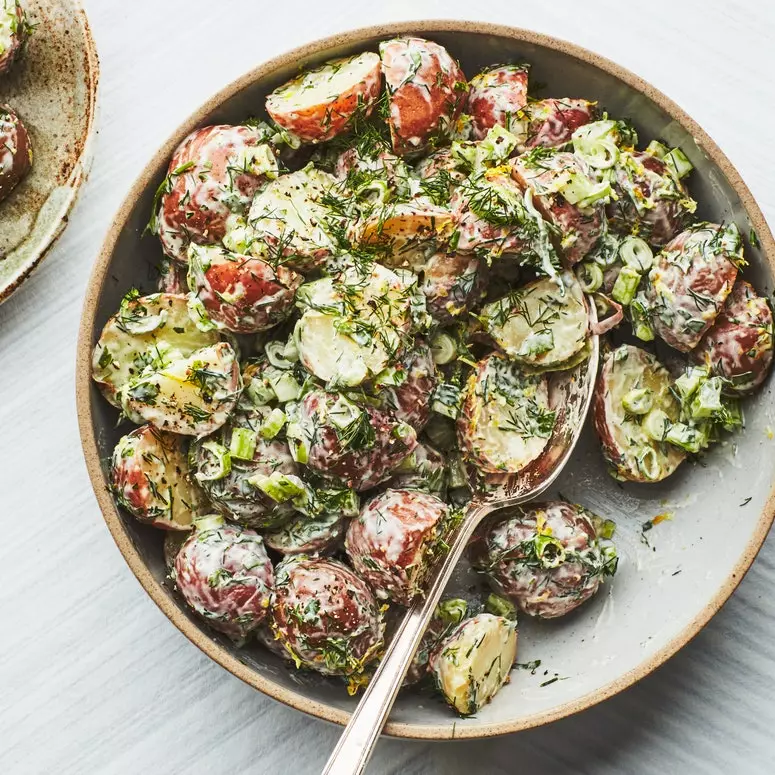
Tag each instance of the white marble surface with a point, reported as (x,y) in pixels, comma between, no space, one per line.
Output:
(93,678)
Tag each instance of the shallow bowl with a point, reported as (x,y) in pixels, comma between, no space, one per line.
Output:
(672,578)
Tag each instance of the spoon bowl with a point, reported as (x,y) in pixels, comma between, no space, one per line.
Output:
(570,397)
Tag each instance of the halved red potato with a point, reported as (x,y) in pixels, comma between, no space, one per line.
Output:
(287,214)
(193,396)
(543,324)
(225,576)
(14,30)
(146,332)
(552,121)
(151,479)
(325,616)
(497,96)
(303,535)
(553,178)
(424,469)
(453,283)
(651,201)
(395,540)
(359,445)
(505,421)
(404,227)
(231,492)
(405,390)
(690,281)
(239,293)
(427,91)
(15,150)
(354,324)
(634,454)
(473,662)
(546,557)
(215,171)
(318,104)
(739,345)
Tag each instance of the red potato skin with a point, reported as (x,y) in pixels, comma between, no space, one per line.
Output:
(546,593)
(360,469)
(237,557)
(195,209)
(495,96)
(425,99)
(713,279)
(553,121)
(587,225)
(18,39)
(317,600)
(658,225)
(329,118)
(387,541)
(259,296)
(172,277)
(410,401)
(740,343)
(15,151)
(449,288)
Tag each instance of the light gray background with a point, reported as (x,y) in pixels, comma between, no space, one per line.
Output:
(93,678)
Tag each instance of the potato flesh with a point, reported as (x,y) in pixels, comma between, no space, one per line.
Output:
(378,301)
(633,368)
(174,398)
(121,355)
(473,663)
(288,212)
(324,85)
(540,309)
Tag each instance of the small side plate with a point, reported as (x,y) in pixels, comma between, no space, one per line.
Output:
(53,88)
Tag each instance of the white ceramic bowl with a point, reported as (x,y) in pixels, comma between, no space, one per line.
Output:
(665,590)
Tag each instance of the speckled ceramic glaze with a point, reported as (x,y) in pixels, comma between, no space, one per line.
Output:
(53,87)
(672,578)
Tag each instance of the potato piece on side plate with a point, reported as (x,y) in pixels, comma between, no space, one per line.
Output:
(146,330)
(151,479)
(505,422)
(318,104)
(14,30)
(631,441)
(427,92)
(473,662)
(15,150)
(193,396)
(544,324)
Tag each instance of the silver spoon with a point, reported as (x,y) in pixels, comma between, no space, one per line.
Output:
(570,396)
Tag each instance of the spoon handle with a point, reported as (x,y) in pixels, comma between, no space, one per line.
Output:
(354,748)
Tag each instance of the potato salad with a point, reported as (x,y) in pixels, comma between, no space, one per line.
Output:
(363,297)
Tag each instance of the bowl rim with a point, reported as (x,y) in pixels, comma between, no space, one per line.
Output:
(110,512)
(81,168)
